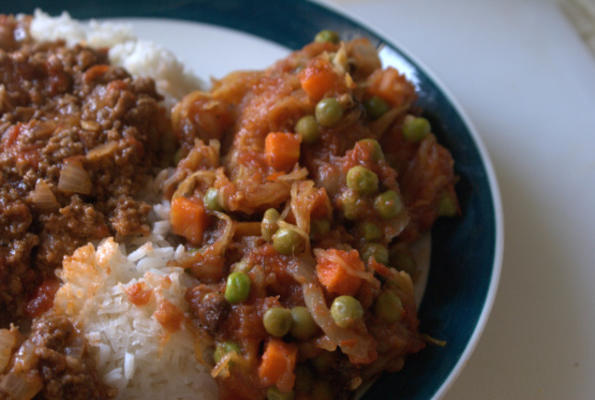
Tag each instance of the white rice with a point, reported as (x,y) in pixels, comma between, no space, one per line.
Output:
(133,352)
(138,57)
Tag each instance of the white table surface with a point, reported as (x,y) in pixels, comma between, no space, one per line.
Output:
(528,83)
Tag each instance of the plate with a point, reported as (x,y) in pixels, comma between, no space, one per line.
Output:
(217,37)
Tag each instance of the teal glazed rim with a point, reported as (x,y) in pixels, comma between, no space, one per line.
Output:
(466,251)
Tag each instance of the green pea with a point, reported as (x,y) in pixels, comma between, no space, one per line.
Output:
(303,379)
(352,205)
(416,128)
(327,36)
(402,259)
(303,326)
(307,128)
(328,112)
(388,204)
(370,231)
(275,394)
(346,310)
(362,180)
(374,147)
(288,242)
(320,227)
(322,391)
(377,251)
(268,226)
(375,107)
(237,288)
(447,206)
(211,200)
(388,307)
(223,348)
(277,321)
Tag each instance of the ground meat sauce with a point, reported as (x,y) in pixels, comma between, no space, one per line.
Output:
(78,139)
(53,363)
(300,190)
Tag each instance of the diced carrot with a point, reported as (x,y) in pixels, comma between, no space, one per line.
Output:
(138,294)
(391,86)
(318,78)
(188,219)
(169,316)
(278,365)
(321,205)
(333,275)
(282,150)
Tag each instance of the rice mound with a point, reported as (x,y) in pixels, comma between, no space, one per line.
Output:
(134,353)
(139,57)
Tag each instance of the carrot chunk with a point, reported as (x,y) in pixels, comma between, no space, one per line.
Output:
(332,272)
(391,86)
(188,219)
(318,78)
(282,150)
(278,364)
(169,316)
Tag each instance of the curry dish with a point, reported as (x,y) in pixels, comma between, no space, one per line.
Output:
(297,192)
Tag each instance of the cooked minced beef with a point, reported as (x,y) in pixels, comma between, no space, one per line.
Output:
(78,138)
(54,364)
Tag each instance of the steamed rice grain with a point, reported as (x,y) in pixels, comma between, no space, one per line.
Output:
(134,353)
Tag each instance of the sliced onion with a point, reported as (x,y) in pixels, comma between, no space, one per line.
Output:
(357,344)
(102,150)
(205,178)
(302,269)
(221,370)
(295,175)
(74,179)
(360,347)
(340,60)
(43,197)
(226,236)
(8,341)
(21,385)
(380,126)
(397,225)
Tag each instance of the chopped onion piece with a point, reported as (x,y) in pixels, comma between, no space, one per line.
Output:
(102,150)
(74,179)
(90,125)
(8,341)
(43,197)
(21,386)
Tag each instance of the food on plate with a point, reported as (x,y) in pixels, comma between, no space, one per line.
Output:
(253,241)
